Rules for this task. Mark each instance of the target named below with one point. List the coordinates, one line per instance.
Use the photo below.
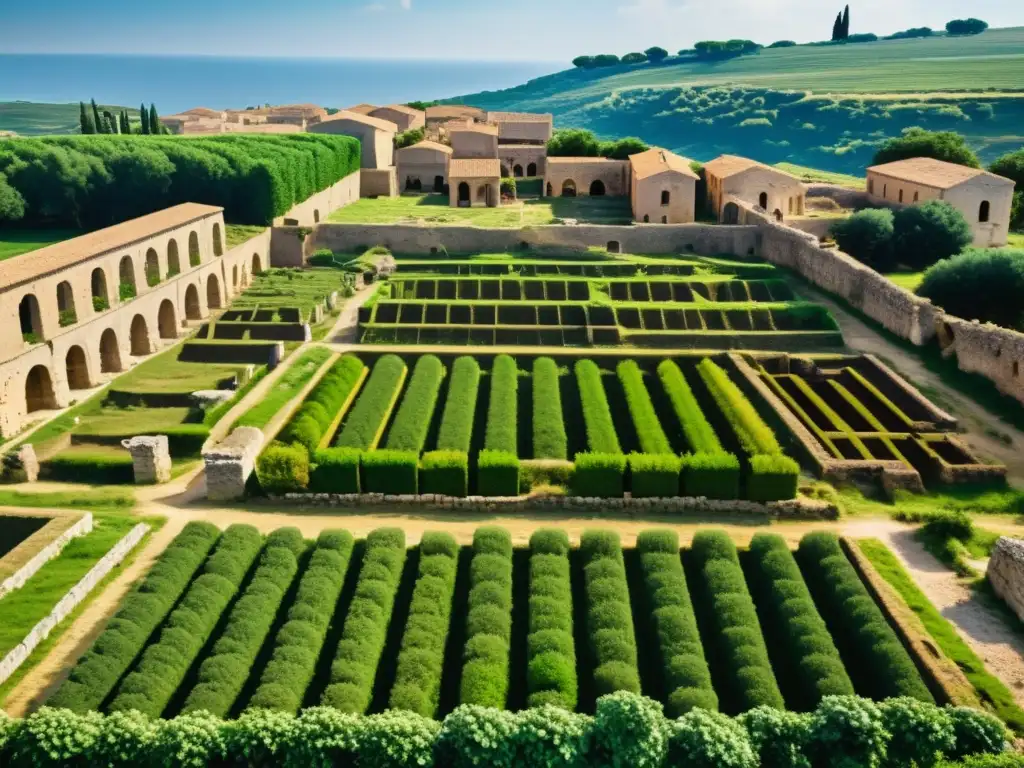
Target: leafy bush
(599, 475)
(921, 734)
(779, 739)
(848, 732)
(497, 474)
(601, 437)
(654, 476)
(317, 412)
(549, 438)
(700, 435)
(485, 658)
(283, 468)
(392, 472)
(710, 740)
(368, 418)
(551, 652)
(969, 26)
(927, 233)
(460, 406)
(754, 436)
(573, 142)
(979, 284)
(867, 236)
(713, 475)
(628, 732)
(445, 472)
(947, 146)
(335, 470)
(408, 432)
(501, 434)
(772, 478)
(638, 400)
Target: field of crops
(227, 621)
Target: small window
(901, 195)
(665, 197)
(791, 206)
(917, 196)
(871, 186)
(984, 211)
(885, 191)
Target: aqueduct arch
(531, 170)
(126, 274)
(173, 263)
(194, 257)
(31, 319)
(192, 309)
(100, 292)
(39, 394)
(568, 188)
(66, 304)
(257, 265)
(152, 267)
(110, 352)
(218, 243)
(166, 321)
(77, 367)
(138, 339)
(596, 188)
(731, 214)
(213, 299)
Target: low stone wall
(46, 554)
(995, 353)
(286, 246)
(378, 182)
(71, 600)
(1006, 573)
(229, 465)
(316, 208)
(846, 197)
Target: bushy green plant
(848, 732)
(391, 472)
(867, 236)
(445, 473)
(597, 416)
(599, 474)
(283, 468)
(551, 653)
(772, 478)
(705, 739)
(475, 736)
(779, 738)
(501, 433)
(754, 436)
(654, 476)
(921, 734)
(363, 426)
(485, 660)
(456, 430)
(927, 233)
(315, 415)
(648, 427)
(700, 435)
(628, 732)
(408, 432)
(947, 146)
(713, 475)
(497, 474)
(549, 438)
(335, 470)
(980, 284)
(976, 732)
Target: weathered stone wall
(316, 208)
(995, 353)
(17, 579)
(151, 458)
(71, 600)
(229, 465)
(382, 182)
(1006, 573)
(844, 196)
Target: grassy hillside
(30, 119)
(819, 106)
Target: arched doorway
(984, 211)
(549, 190)
(777, 214)
(173, 262)
(152, 268)
(596, 188)
(77, 367)
(31, 320)
(66, 304)
(110, 352)
(439, 183)
(568, 188)
(127, 289)
(481, 193)
(218, 244)
(138, 339)
(517, 171)
(666, 197)
(234, 277)
(504, 171)
(39, 390)
(213, 293)
(731, 214)
(257, 266)
(762, 200)
(166, 323)
(316, 216)
(100, 295)
(194, 257)
(463, 193)
(192, 308)
(531, 170)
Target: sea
(176, 83)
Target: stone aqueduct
(80, 311)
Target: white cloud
(374, 8)
(406, 4)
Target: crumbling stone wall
(995, 353)
(1006, 573)
(151, 458)
(17, 579)
(229, 465)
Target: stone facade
(663, 188)
(739, 180)
(474, 183)
(474, 142)
(585, 176)
(318, 207)
(1006, 573)
(406, 118)
(423, 166)
(522, 160)
(20, 466)
(376, 136)
(523, 127)
(443, 113)
(151, 458)
(18, 579)
(380, 182)
(229, 465)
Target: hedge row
(601, 436)
(626, 731)
(609, 614)
(94, 676)
(224, 671)
(460, 406)
(739, 642)
(297, 644)
(601, 475)
(788, 608)
(366, 626)
(497, 474)
(409, 430)
(335, 470)
(648, 427)
(317, 412)
(684, 669)
(551, 648)
(865, 638)
(283, 468)
(549, 438)
(502, 425)
(772, 478)
(368, 417)
(445, 472)
(417, 686)
(164, 663)
(714, 475)
(485, 657)
(391, 472)
(654, 475)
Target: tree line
(578, 142)
(88, 182)
(92, 120)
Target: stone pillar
(21, 466)
(151, 458)
(1006, 573)
(229, 465)
(276, 355)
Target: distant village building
(477, 140)
(586, 176)
(287, 118)
(474, 182)
(663, 187)
(406, 118)
(423, 167)
(984, 198)
(748, 181)
(522, 127)
(442, 113)
(377, 137)
(361, 109)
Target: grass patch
(95, 500)
(236, 234)
(812, 175)
(301, 288)
(289, 385)
(166, 374)
(16, 242)
(990, 689)
(914, 507)
(906, 280)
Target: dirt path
(346, 329)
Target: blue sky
(537, 30)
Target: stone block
(20, 466)
(208, 399)
(151, 458)
(229, 465)
(1006, 573)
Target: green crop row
(609, 615)
(288, 386)
(684, 669)
(297, 644)
(460, 406)
(417, 686)
(788, 611)
(93, 678)
(599, 475)
(485, 657)
(700, 435)
(334, 470)
(165, 662)
(362, 642)
(738, 641)
(597, 416)
(648, 427)
(224, 671)
(551, 648)
(409, 430)
(365, 422)
(549, 438)
(654, 475)
(313, 418)
(501, 434)
(445, 473)
(868, 644)
(390, 472)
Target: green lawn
(434, 209)
(165, 373)
(908, 280)
(812, 175)
(236, 234)
(302, 288)
(287, 387)
(33, 119)
(127, 421)
(1016, 240)
(14, 242)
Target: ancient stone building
(423, 167)
(474, 140)
(377, 174)
(523, 160)
(445, 112)
(361, 109)
(984, 198)
(586, 176)
(775, 191)
(662, 188)
(406, 118)
(474, 182)
(522, 127)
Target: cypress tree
(837, 27)
(85, 118)
(96, 119)
(144, 115)
(154, 121)
(846, 22)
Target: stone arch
(917, 196)
(77, 366)
(666, 197)
(762, 200)
(549, 190)
(316, 215)
(66, 304)
(984, 211)
(138, 339)
(614, 246)
(192, 308)
(165, 319)
(731, 214)
(777, 214)
(517, 171)
(39, 395)
(439, 183)
(213, 299)
(152, 267)
(257, 265)
(173, 262)
(30, 317)
(647, 219)
(531, 170)
(195, 257)
(218, 242)
(127, 288)
(504, 171)
(100, 294)
(463, 192)
(596, 188)
(946, 337)
(110, 352)
(568, 188)
(481, 193)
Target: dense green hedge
(283, 468)
(654, 475)
(445, 472)
(648, 427)
(601, 436)
(460, 406)
(364, 423)
(93, 678)
(497, 474)
(551, 647)
(395, 472)
(700, 435)
(737, 633)
(601, 475)
(99, 468)
(166, 660)
(225, 669)
(882, 667)
(104, 180)
(714, 475)
(772, 478)
(549, 438)
(502, 419)
(297, 644)
(335, 470)
(684, 669)
(485, 657)
(366, 625)
(417, 686)
(316, 414)
(409, 430)
(788, 610)
(609, 614)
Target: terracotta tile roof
(400, 108)
(52, 258)
(203, 112)
(656, 160)
(474, 169)
(490, 130)
(580, 160)
(932, 173)
(361, 109)
(724, 166)
(355, 117)
(520, 117)
(442, 111)
(433, 145)
(262, 128)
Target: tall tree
(122, 120)
(85, 118)
(96, 119)
(837, 28)
(154, 120)
(846, 22)
(144, 114)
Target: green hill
(31, 119)
(824, 106)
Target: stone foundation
(151, 459)
(229, 465)
(17, 579)
(1006, 573)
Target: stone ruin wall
(1006, 573)
(17, 579)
